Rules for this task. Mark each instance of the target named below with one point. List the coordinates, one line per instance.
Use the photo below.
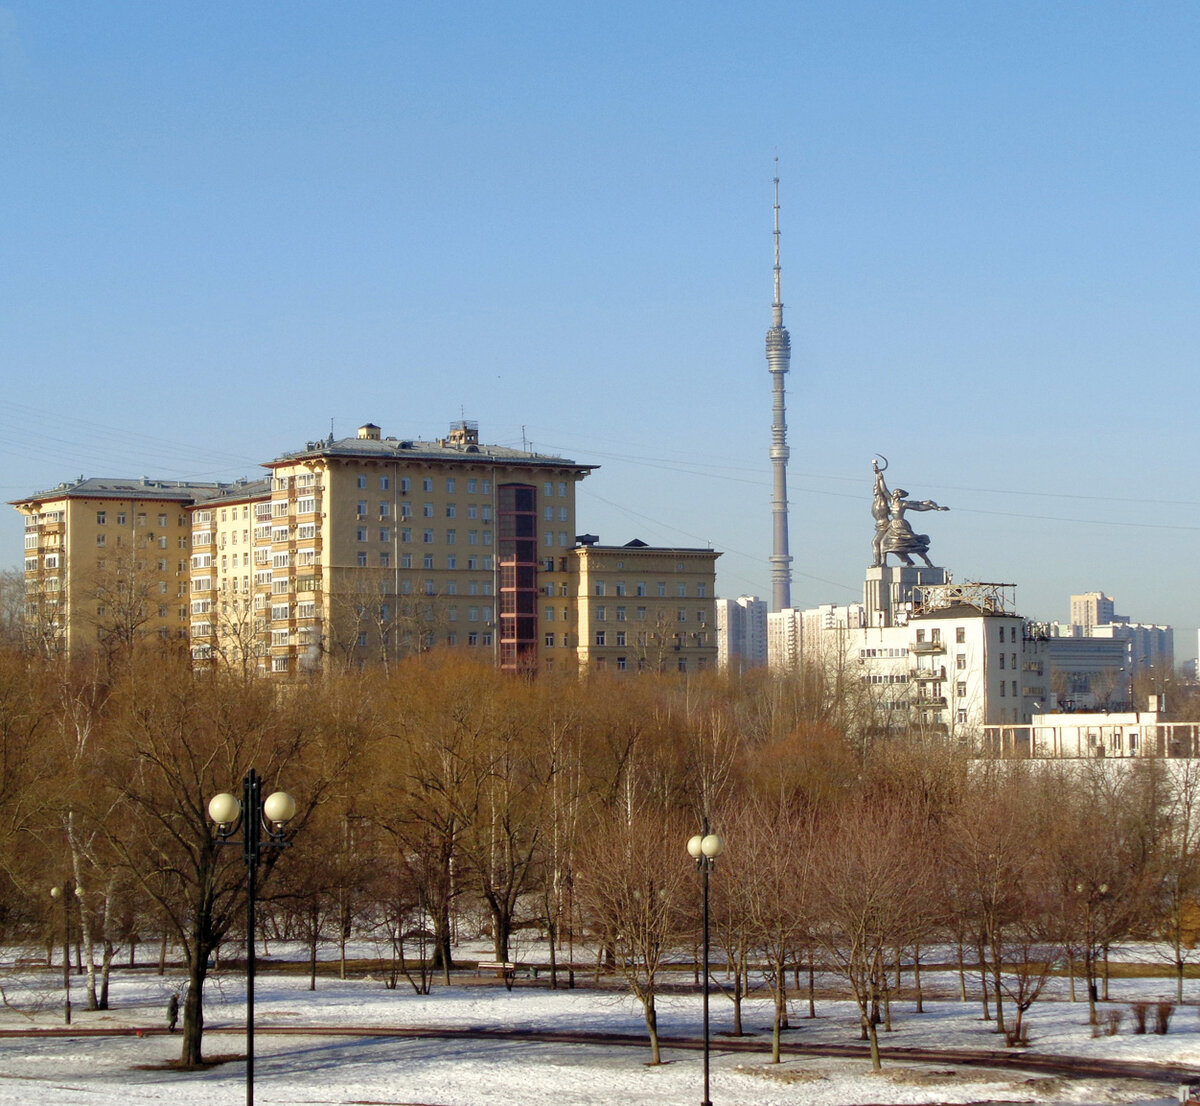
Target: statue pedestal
(887, 591)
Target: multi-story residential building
(363, 549)
(1093, 608)
(927, 653)
(372, 546)
(106, 560)
(741, 633)
(639, 607)
(227, 622)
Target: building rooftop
(238, 491)
(124, 487)
(591, 541)
(960, 610)
(461, 444)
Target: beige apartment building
(361, 550)
(638, 607)
(106, 561)
(227, 622)
(370, 547)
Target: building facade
(639, 607)
(361, 550)
(741, 633)
(106, 561)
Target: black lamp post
(261, 822)
(66, 892)
(704, 848)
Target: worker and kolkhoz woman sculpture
(893, 532)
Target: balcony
(927, 673)
(926, 648)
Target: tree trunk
(192, 1054)
(501, 929)
(652, 1028)
(312, 955)
(873, 1037)
(105, 973)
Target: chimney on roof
(370, 432)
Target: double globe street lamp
(66, 892)
(704, 848)
(262, 827)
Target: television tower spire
(779, 356)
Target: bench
(504, 969)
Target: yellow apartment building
(362, 550)
(377, 546)
(225, 624)
(106, 561)
(640, 607)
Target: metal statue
(893, 532)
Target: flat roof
(125, 487)
(409, 449)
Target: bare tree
(871, 874)
(173, 740)
(632, 890)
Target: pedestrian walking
(172, 1012)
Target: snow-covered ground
(316, 1068)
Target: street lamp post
(261, 822)
(66, 892)
(1092, 893)
(704, 848)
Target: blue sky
(223, 225)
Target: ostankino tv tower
(779, 356)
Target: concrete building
(638, 607)
(360, 550)
(381, 545)
(228, 621)
(1104, 675)
(1093, 608)
(106, 561)
(741, 633)
(928, 653)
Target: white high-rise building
(1094, 608)
(741, 633)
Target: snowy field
(323, 1068)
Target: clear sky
(223, 225)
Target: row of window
(122, 518)
(474, 510)
(620, 637)
(163, 541)
(620, 588)
(473, 485)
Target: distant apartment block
(1093, 608)
(741, 633)
(638, 606)
(106, 560)
(360, 550)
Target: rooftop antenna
(779, 356)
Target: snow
(301, 1068)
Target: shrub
(1141, 1010)
(1112, 1021)
(1162, 1016)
